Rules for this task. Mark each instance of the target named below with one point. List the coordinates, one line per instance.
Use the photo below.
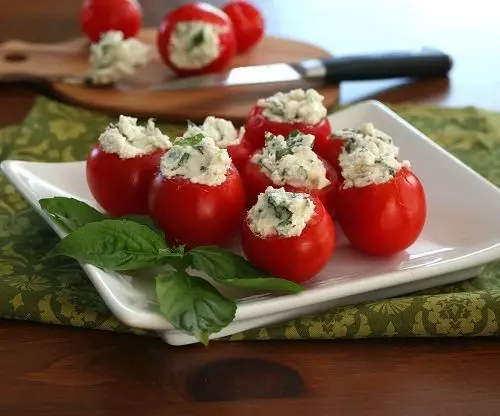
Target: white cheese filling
(292, 161)
(281, 213)
(129, 140)
(368, 157)
(222, 131)
(296, 106)
(194, 44)
(115, 58)
(366, 129)
(197, 159)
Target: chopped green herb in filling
(292, 161)
(296, 106)
(369, 156)
(280, 213)
(197, 159)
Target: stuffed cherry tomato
(196, 38)
(100, 16)
(288, 235)
(283, 113)
(225, 136)
(197, 197)
(247, 22)
(380, 204)
(291, 163)
(122, 165)
(332, 148)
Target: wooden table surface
(64, 371)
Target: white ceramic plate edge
(486, 252)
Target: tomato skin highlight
(248, 23)
(330, 150)
(383, 219)
(121, 186)
(99, 16)
(197, 214)
(294, 258)
(257, 181)
(257, 125)
(204, 12)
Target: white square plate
(462, 233)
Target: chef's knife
(427, 63)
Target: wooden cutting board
(43, 62)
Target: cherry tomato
(204, 12)
(257, 125)
(99, 16)
(248, 23)
(294, 258)
(330, 150)
(383, 219)
(121, 186)
(257, 181)
(196, 214)
(240, 153)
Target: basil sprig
(190, 303)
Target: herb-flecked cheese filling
(280, 213)
(197, 159)
(129, 140)
(114, 58)
(194, 44)
(222, 131)
(292, 161)
(296, 106)
(369, 156)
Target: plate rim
(484, 253)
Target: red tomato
(293, 258)
(257, 125)
(121, 186)
(240, 153)
(257, 181)
(383, 219)
(203, 12)
(99, 16)
(196, 214)
(247, 22)
(330, 150)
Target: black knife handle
(427, 63)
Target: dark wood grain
(62, 371)
(49, 370)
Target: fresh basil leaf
(116, 245)
(144, 220)
(230, 269)
(189, 141)
(70, 213)
(192, 304)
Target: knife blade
(426, 63)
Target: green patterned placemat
(60, 293)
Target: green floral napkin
(60, 293)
